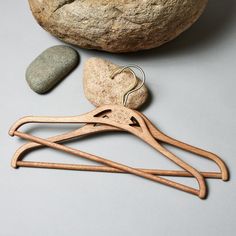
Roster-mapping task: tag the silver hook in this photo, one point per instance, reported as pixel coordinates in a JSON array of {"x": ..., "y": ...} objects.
[{"x": 133, "y": 89}]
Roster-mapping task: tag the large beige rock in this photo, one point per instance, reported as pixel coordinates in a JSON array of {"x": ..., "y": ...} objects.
[
  {"x": 117, "y": 25},
  {"x": 100, "y": 89}
]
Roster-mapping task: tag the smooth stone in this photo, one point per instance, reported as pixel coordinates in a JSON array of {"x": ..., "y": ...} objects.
[
  {"x": 50, "y": 67},
  {"x": 100, "y": 89},
  {"x": 117, "y": 26}
]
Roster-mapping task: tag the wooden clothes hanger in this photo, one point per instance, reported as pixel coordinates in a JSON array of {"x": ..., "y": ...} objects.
[
  {"x": 114, "y": 117},
  {"x": 120, "y": 117},
  {"x": 89, "y": 129}
]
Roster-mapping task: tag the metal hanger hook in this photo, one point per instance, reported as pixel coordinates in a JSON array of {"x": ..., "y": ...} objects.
[{"x": 132, "y": 89}]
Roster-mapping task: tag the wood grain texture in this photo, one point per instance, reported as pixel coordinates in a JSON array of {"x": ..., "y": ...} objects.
[
  {"x": 123, "y": 119},
  {"x": 64, "y": 166},
  {"x": 110, "y": 163},
  {"x": 90, "y": 129}
]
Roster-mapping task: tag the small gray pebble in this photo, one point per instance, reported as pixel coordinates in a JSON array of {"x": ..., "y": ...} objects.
[{"x": 50, "y": 67}]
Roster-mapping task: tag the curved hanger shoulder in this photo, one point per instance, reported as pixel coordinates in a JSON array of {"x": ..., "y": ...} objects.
[
  {"x": 166, "y": 139},
  {"x": 118, "y": 116},
  {"x": 89, "y": 129},
  {"x": 125, "y": 119},
  {"x": 84, "y": 130},
  {"x": 110, "y": 163}
]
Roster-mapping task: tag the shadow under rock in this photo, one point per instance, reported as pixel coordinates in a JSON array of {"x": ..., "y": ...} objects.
[
  {"x": 212, "y": 26},
  {"x": 148, "y": 101}
]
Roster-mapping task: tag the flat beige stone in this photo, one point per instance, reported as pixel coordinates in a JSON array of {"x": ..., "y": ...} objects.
[
  {"x": 100, "y": 89},
  {"x": 117, "y": 26}
]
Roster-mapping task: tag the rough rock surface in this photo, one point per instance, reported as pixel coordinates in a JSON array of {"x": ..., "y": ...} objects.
[
  {"x": 100, "y": 89},
  {"x": 50, "y": 67},
  {"x": 117, "y": 26}
]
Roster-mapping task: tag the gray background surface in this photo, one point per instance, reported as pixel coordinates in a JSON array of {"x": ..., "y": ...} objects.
[{"x": 192, "y": 81}]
